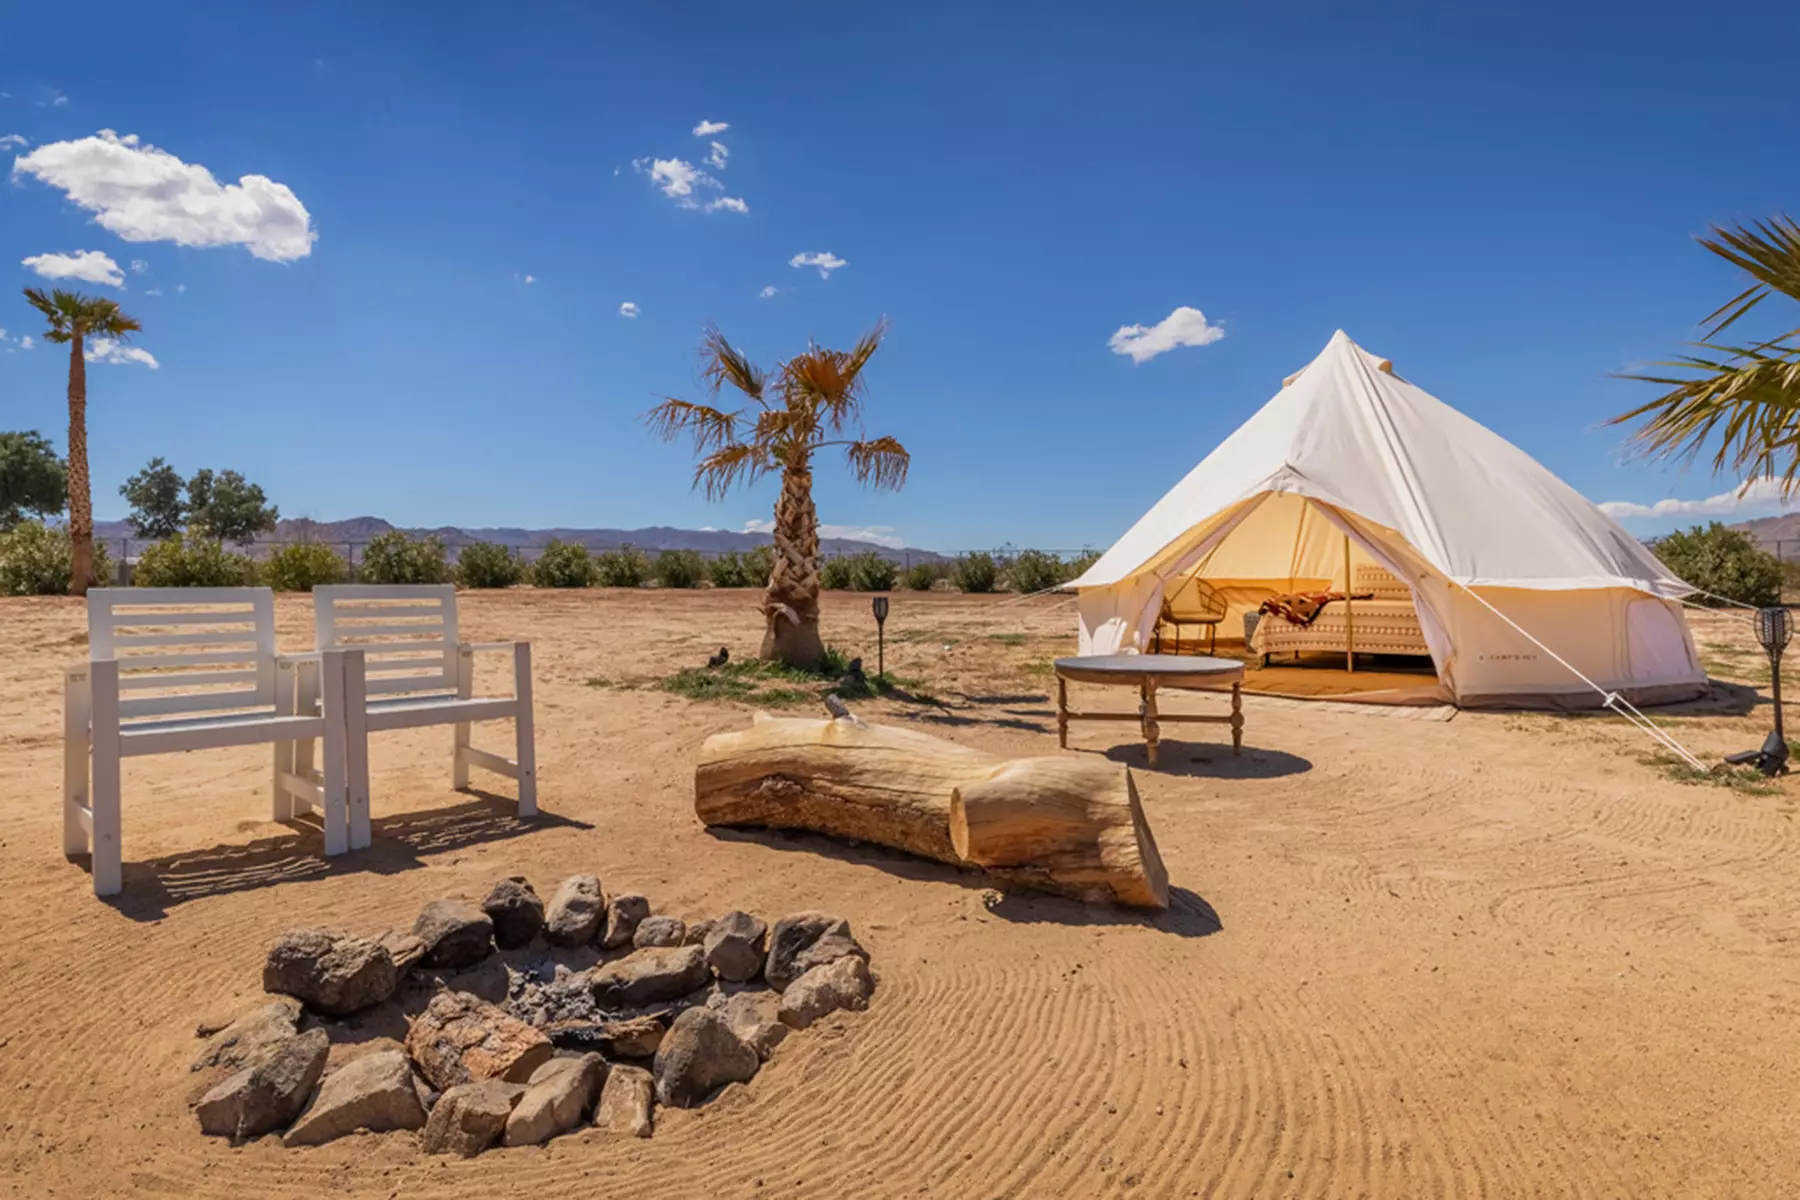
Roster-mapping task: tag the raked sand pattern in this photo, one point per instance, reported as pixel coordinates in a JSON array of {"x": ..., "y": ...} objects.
[{"x": 1491, "y": 956}]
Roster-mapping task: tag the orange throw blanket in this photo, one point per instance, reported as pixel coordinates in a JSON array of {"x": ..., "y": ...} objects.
[{"x": 1303, "y": 608}]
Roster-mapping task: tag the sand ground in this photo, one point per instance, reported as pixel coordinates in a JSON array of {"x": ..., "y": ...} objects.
[{"x": 1494, "y": 956}]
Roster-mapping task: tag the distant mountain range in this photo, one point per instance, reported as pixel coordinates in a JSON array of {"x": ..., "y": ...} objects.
[
  {"x": 1778, "y": 535},
  {"x": 357, "y": 531}
]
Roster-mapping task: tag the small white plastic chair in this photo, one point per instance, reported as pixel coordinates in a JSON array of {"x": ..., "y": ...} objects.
[
  {"x": 193, "y": 669},
  {"x": 403, "y": 669}
]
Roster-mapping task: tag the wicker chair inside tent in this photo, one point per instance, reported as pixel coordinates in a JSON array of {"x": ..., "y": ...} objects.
[{"x": 1196, "y": 603}]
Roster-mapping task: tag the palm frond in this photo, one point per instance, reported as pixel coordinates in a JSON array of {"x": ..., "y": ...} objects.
[
  {"x": 830, "y": 381},
  {"x": 1767, "y": 251},
  {"x": 722, "y": 363},
  {"x": 710, "y": 427},
  {"x": 1745, "y": 397},
  {"x": 71, "y": 314},
  {"x": 880, "y": 462},
  {"x": 728, "y": 466}
]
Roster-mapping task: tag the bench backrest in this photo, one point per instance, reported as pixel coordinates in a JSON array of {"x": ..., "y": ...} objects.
[
  {"x": 407, "y": 633},
  {"x": 186, "y": 650}
]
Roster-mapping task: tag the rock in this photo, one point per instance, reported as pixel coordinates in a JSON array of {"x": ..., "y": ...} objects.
[
  {"x": 403, "y": 948},
  {"x": 250, "y": 1038},
  {"x": 842, "y": 983},
  {"x": 266, "y": 1097},
  {"x": 737, "y": 946},
  {"x": 377, "y": 1092},
  {"x": 650, "y": 975},
  {"x": 625, "y": 1102},
  {"x": 622, "y": 916},
  {"x": 696, "y": 933},
  {"x": 455, "y": 934},
  {"x": 804, "y": 941},
  {"x": 573, "y": 917},
  {"x": 699, "y": 1055},
  {"x": 756, "y": 1018},
  {"x": 470, "y": 1117},
  {"x": 560, "y": 1094},
  {"x": 659, "y": 931},
  {"x": 516, "y": 912},
  {"x": 634, "y": 1037},
  {"x": 334, "y": 972},
  {"x": 461, "y": 1038}
]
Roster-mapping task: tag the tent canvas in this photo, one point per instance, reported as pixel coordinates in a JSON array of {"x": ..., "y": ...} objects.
[{"x": 1349, "y": 453}]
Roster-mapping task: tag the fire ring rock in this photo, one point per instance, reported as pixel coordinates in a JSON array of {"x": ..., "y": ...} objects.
[{"x": 461, "y": 1038}]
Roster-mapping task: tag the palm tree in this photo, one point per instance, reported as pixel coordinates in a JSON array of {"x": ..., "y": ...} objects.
[
  {"x": 1748, "y": 395},
  {"x": 74, "y": 318},
  {"x": 813, "y": 401}
]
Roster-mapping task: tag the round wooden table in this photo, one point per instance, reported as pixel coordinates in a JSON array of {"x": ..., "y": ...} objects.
[{"x": 1148, "y": 672}]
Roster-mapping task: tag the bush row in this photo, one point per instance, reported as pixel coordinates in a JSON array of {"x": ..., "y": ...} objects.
[{"x": 1026, "y": 572}]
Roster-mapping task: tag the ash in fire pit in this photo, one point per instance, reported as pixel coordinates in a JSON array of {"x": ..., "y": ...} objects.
[{"x": 597, "y": 1011}]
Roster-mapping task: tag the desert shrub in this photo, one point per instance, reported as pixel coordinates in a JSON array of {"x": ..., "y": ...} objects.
[
  {"x": 834, "y": 575},
  {"x": 35, "y": 560},
  {"x": 1077, "y": 566},
  {"x": 183, "y": 561},
  {"x": 1726, "y": 562},
  {"x": 565, "y": 565},
  {"x": 302, "y": 568},
  {"x": 487, "y": 565},
  {"x": 680, "y": 568},
  {"x": 624, "y": 567},
  {"x": 1034, "y": 571},
  {"x": 759, "y": 564},
  {"x": 870, "y": 572},
  {"x": 922, "y": 577},
  {"x": 726, "y": 570},
  {"x": 394, "y": 557},
  {"x": 975, "y": 573}
]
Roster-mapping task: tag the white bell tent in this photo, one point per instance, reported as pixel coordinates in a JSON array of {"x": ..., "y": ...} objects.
[{"x": 1526, "y": 593}]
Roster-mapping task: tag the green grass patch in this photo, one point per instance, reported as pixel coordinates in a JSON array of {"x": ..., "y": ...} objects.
[
  {"x": 1009, "y": 639},
  {"x": 1747, "y": 780},
  {"x": 777, "y": 685}
]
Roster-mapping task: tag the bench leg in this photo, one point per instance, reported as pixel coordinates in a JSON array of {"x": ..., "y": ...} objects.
[
  {"x": 107, "y": 860},
  {"x": 465, "y": 688},
  {"x": 75, "y": 762},
  {"x": 335, "y": 784},
  {"x": 307, "y": 702},
  {"x": 356, "y": 749},
  {"x": 524, "y": 730},
  {"x": 281, "y": 801}
]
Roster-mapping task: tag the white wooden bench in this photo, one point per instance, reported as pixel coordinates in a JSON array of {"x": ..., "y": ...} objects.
[
  {"x": 404, "y": 668},
  {"x": 193, "y": 669}
]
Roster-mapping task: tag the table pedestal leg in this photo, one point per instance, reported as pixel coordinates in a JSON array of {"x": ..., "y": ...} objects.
[
  {"x": 1147, "y": 716},
  {"x": 1237, "y": 720},
  {"x": 1062, "y": 712}
]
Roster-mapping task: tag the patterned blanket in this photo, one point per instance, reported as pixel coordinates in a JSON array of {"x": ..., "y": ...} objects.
[{"x": 1303, "y": 608}]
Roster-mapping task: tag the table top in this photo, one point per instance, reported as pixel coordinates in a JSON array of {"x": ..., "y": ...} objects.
[{"x": 1176, "y": 670}]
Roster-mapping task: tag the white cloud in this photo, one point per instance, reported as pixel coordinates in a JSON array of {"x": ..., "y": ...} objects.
[
  {"x": 880, "y": 535},
  {"x": 530, "y": 279},
  {"x": 720, "y": 153},
  {"x": 1183, "y": 327},
  {"x": 139, "y": 266},
  {"x": 729, "y": 204},
  {"x": 26, "y": 342},
  {"x": 144, "y": 194},
  {"x": 58, "y": 100},
  {"x": 768, "y": 291},
  {"x": 89, "y": 266},
  {"x": 708, "y": 128},
  {"x": 181, "y": 287},
  {"x": 825, "y": 260},
  {"x": 105, "y": 350},
  {"x": 153, "y": 292},
  {"x": 13, "y": 140},
  {"x": 1752, "y": 494},
  {"x": 677, "y": 177},
  {"x": 628, "y": 309}
]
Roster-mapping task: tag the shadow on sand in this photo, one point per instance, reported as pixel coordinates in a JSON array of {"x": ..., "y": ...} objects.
[
  {"x": 1188, "y": 914},
  {"x": 1212, "y": 760},
  {"x": 401, "y": 843}
]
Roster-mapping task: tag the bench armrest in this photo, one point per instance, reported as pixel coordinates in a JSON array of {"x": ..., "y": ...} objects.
[{"x": 490, "y": 647}]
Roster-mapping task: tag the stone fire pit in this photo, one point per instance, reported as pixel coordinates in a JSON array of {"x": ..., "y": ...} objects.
[{"x": 514, "y": 1021}]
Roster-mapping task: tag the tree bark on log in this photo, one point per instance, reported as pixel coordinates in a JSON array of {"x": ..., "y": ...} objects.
[
  {"x": 897, "y": 787},
  {"x": 1075, "y": 822}
]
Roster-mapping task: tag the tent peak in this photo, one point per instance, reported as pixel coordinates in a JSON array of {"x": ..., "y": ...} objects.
[{"x": 1342, "y": 343}]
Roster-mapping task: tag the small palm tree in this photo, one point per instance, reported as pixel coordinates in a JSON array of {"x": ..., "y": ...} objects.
[
  {"x": 73, "y": 319},
  {"x": 813, "y": 401},
  {"x": 1748, "y": 395}
]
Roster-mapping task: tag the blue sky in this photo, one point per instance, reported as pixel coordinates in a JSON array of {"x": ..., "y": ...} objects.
[{"x": 1501, "y": 199}]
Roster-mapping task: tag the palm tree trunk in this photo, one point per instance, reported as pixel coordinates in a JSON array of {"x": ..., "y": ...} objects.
[
  {"x": 791, "y": 604},
  {"x": 81, "y": 500}
]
